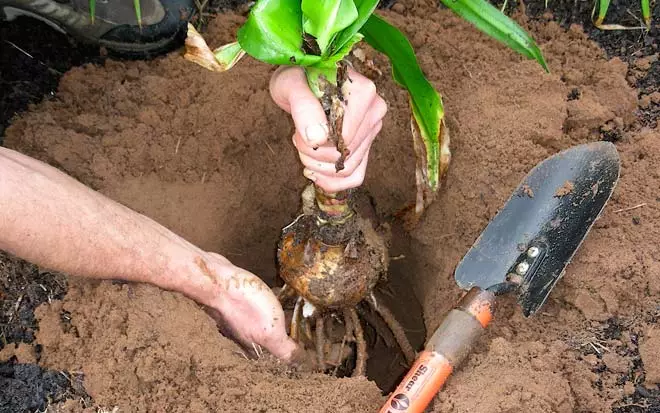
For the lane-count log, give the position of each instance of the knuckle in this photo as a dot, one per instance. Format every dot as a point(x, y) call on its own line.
point(376, 130)
point(353, 182)
point(347, 171)
point(369, 87)
point(289, 72)
point(380, 107)
point(356, 179)
point(350, 166)
point(306, 160)
point(363, 84)
point(330, 184)
point(298, 110)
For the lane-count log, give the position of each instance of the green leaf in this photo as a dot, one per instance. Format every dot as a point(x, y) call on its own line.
point(313, 73)
point(425, 101)
point(323, 19)
point(603, 5)
point(92, 10)
point(328, 67)
point(646, 13)
point(365, 8)
point(491, 21)
point(228, 55)
point(273, 33)
point(138, 12)
point(342, 52)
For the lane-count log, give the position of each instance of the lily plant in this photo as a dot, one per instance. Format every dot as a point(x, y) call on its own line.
point(319, 34)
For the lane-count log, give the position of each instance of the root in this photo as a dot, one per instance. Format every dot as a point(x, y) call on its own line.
point(294, 319)
point(285, 293)
point(361, 359)
point(339, 356)
point(320, 342)
point(307, 328)
point(380, 318)
point(396, 328)
point(348, 323)
point(382, 330)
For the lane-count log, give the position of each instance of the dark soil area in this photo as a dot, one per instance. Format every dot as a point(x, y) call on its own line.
point(30, 388)
point(23, 288)
point(25, 386)
point(34, 57)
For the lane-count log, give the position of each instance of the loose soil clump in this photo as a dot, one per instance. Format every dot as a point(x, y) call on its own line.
point(209, 156)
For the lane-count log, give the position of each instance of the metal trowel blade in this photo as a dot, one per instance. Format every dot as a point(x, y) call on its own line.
point(531, 240)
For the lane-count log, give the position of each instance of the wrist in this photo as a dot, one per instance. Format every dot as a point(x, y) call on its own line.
point(198, 275)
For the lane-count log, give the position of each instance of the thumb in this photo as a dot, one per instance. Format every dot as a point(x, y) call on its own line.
point(284, 348)
point(290, 91)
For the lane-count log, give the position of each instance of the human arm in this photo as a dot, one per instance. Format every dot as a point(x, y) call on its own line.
point(52, 220)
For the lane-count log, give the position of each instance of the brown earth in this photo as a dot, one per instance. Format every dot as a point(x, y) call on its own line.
point(209, 156)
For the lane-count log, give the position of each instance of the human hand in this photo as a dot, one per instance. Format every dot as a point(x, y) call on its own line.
point(246, 309)
point(363, 119)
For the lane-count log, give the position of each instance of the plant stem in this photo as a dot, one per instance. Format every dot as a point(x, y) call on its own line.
point(334, 207)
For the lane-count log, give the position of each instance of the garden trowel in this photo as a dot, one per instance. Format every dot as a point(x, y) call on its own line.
point(523, 252)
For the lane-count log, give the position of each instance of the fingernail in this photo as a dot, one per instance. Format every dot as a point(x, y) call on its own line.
point(309, 174)
point(316, 134)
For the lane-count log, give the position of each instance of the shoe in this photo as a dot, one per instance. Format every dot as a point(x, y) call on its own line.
point(115, 26)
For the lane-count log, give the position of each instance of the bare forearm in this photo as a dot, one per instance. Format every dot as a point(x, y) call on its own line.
point(53, 220)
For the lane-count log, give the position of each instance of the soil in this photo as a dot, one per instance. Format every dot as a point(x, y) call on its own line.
point(24, 287)
point(638, 48)
point(28, 387)
point(565, 189)
point(209, 156)
point(34, 57)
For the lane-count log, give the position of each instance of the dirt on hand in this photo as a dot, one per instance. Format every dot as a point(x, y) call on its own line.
point(209, 156)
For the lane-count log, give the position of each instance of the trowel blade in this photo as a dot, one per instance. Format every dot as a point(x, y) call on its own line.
point(535, 235)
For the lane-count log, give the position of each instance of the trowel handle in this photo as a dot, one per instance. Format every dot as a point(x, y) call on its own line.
point(447, 348)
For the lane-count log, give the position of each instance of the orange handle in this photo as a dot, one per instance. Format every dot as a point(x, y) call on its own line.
point(426, 377)
point(446, 349)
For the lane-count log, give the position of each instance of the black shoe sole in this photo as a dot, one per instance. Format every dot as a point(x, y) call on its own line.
point(133, 42)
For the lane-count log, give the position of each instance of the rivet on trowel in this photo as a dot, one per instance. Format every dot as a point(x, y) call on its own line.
point(533, 252)
point(522, 268)
point(514, 278)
